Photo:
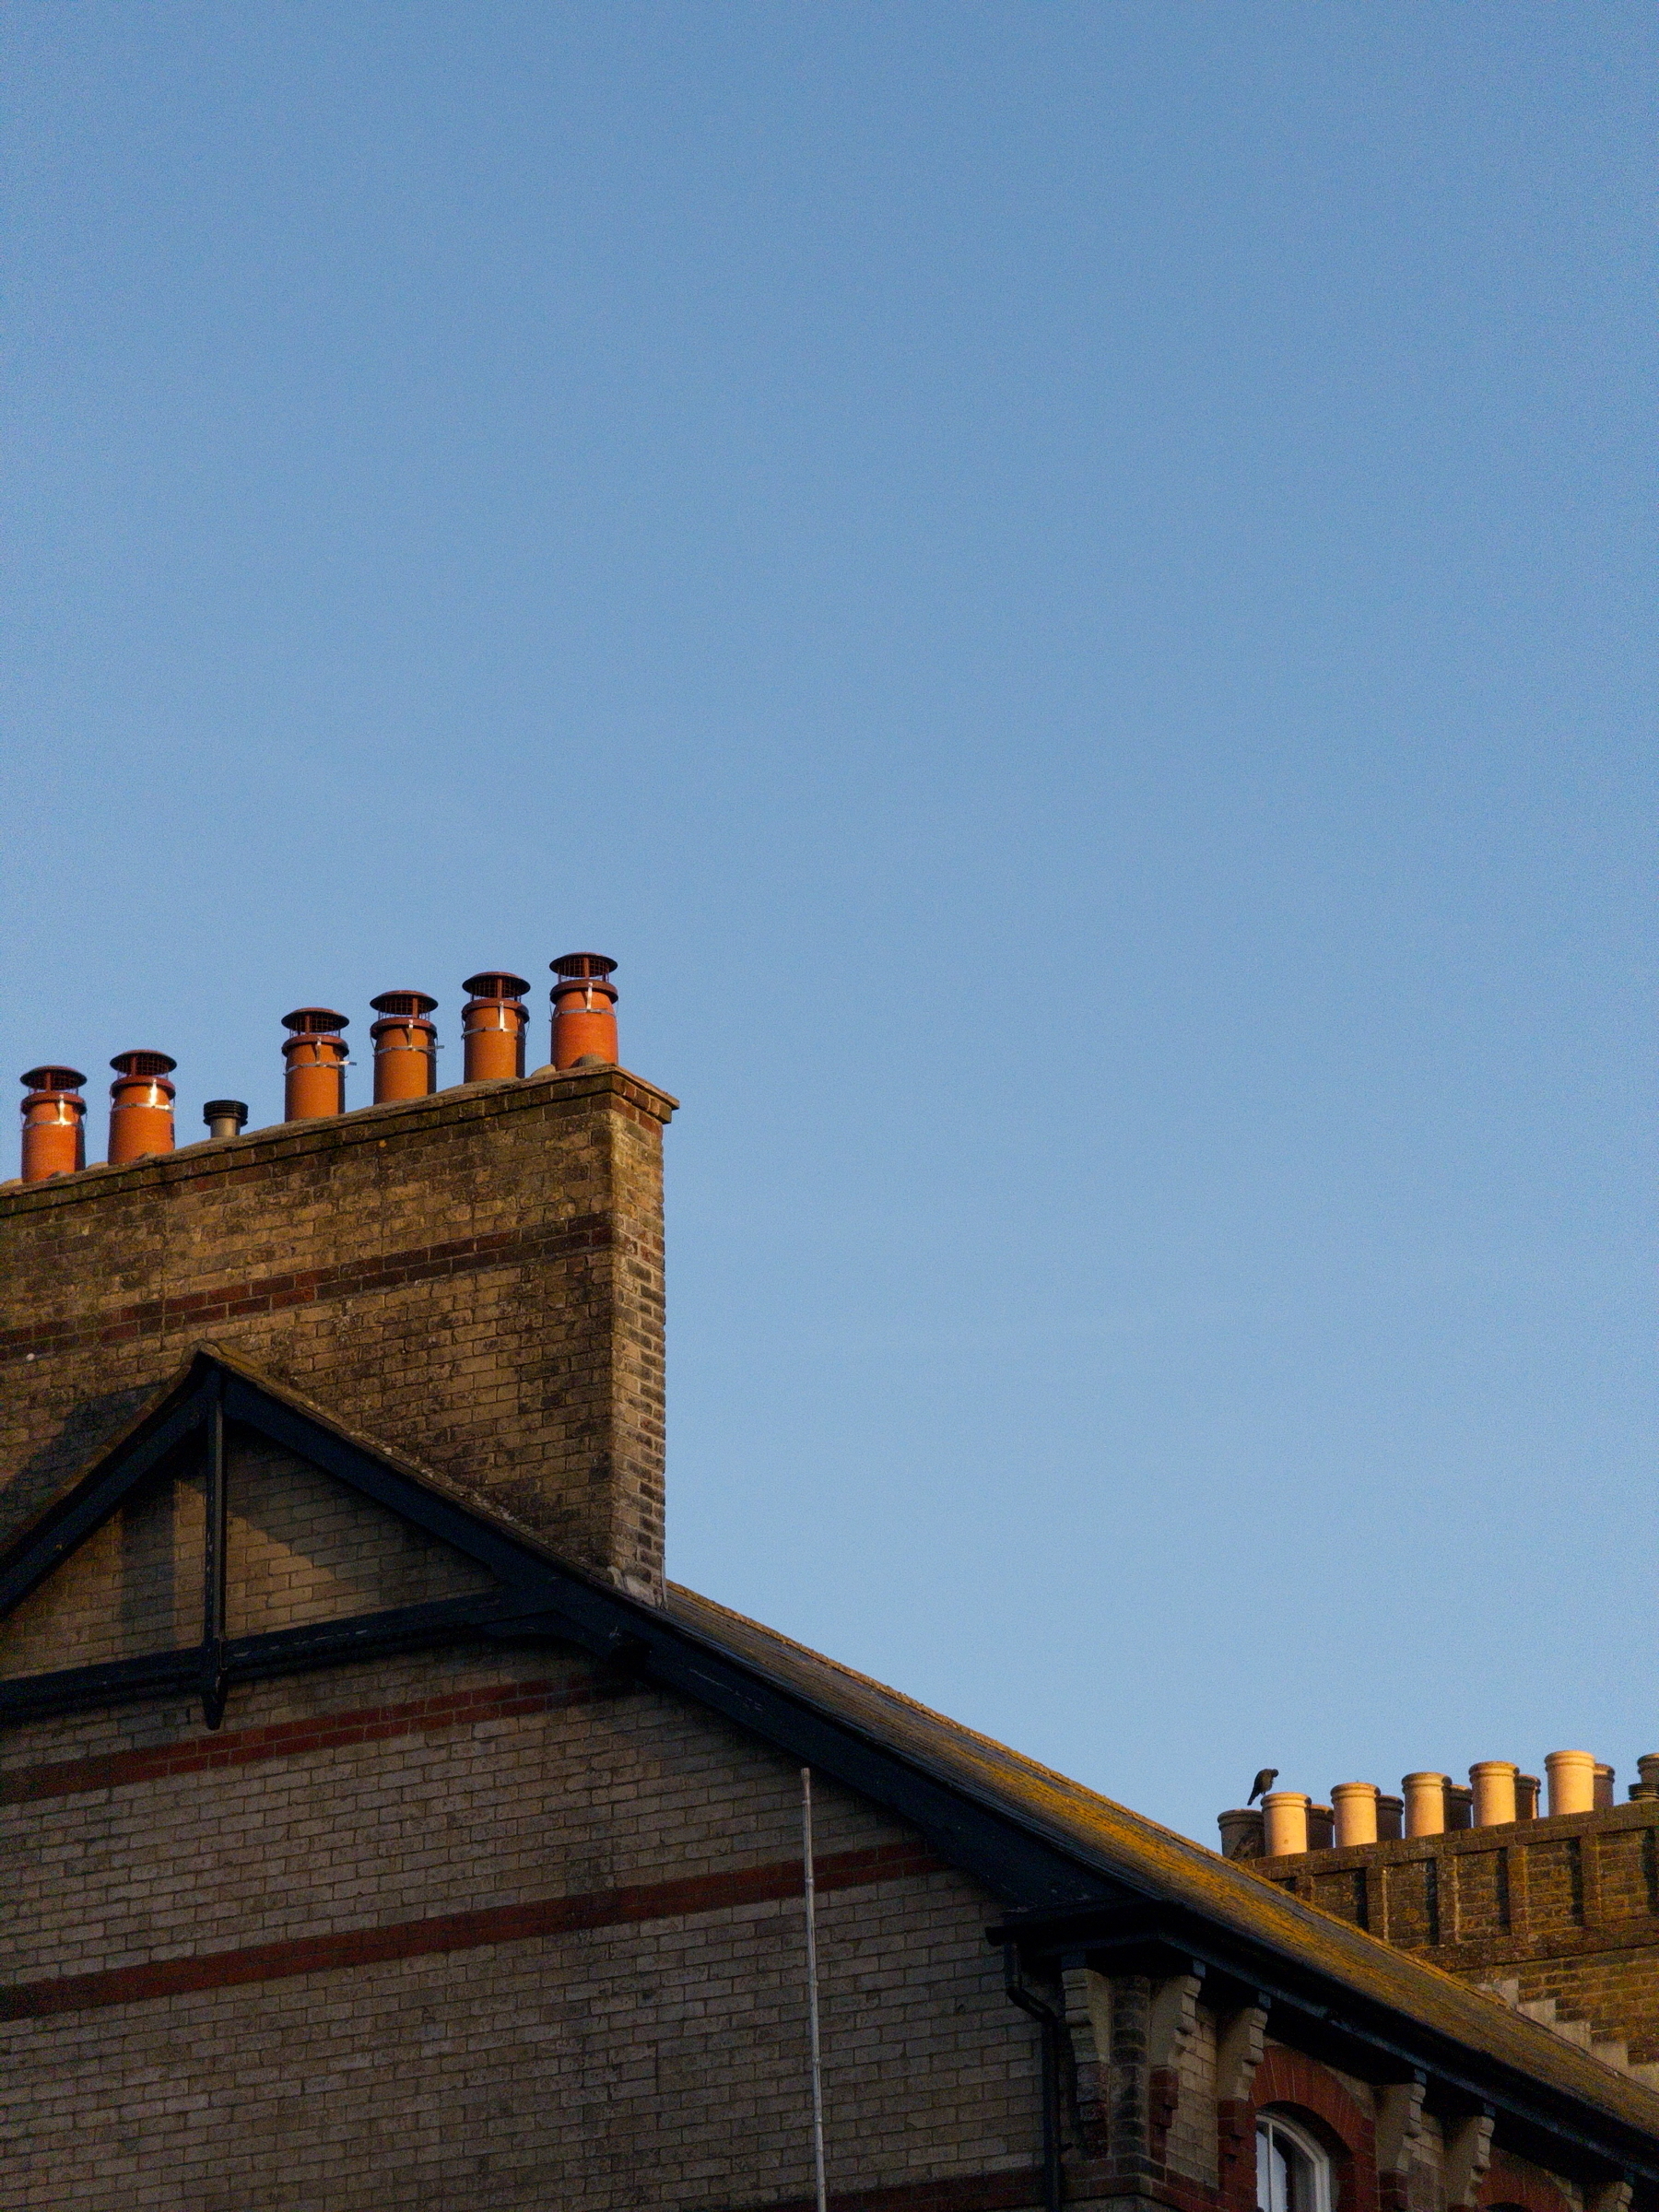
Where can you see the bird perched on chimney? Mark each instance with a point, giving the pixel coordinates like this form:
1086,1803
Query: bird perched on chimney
1262,1784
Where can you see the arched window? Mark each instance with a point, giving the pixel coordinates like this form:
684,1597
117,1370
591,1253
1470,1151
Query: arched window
1293,2174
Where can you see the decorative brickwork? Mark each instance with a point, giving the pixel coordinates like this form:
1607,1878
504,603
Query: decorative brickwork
1290,2079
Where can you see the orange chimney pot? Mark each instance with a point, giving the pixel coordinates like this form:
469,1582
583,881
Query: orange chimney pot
406,1046
141,1106
55,1123
315,1056
584,1020
493,1022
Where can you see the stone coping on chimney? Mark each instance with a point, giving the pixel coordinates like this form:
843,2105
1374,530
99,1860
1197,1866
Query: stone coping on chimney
360,1124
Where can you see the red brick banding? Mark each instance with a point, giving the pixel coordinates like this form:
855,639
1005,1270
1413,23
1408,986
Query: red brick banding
291,1739
271,1293
636,1902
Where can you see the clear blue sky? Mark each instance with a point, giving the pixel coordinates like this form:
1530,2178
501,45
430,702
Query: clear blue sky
1069,589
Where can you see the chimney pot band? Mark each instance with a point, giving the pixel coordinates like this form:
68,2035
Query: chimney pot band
582,1031
493,1023
141,1117
314,1064
55,1114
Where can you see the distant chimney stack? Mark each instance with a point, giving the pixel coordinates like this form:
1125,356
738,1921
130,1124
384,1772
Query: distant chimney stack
141,1106
314,1083
584,1019
55,1123
493,1022
225,1117
406,1046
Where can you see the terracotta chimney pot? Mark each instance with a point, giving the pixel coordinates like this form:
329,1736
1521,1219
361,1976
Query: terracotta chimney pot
141,1106
584,1019
406,1046
314,1083
55,1123
493,1022
1607,1794
1571,1781
1494,1782
1355,1805
1286,1820
1391,1818
1425,1803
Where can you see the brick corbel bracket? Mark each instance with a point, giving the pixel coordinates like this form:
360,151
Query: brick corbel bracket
1399,2127
1468,2154
1172,2026
1612,2196
1128,2034
1088,2021
1240,2040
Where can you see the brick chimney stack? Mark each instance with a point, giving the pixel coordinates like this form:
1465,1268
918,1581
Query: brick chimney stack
499,1248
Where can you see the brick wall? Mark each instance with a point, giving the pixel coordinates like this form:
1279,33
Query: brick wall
1563,1910
507,1932
475,1280
458,1932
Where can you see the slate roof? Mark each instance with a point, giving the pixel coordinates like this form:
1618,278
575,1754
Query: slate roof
1115,1842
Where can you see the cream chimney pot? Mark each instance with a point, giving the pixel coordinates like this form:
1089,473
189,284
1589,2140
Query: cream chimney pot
1287,1822
1425,1803
1493,1782
1355,1803
1571,1781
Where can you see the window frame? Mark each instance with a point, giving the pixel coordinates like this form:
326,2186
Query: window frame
1270,2120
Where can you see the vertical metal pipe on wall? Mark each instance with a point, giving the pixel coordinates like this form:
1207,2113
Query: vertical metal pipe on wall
1050,2022
810,1897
